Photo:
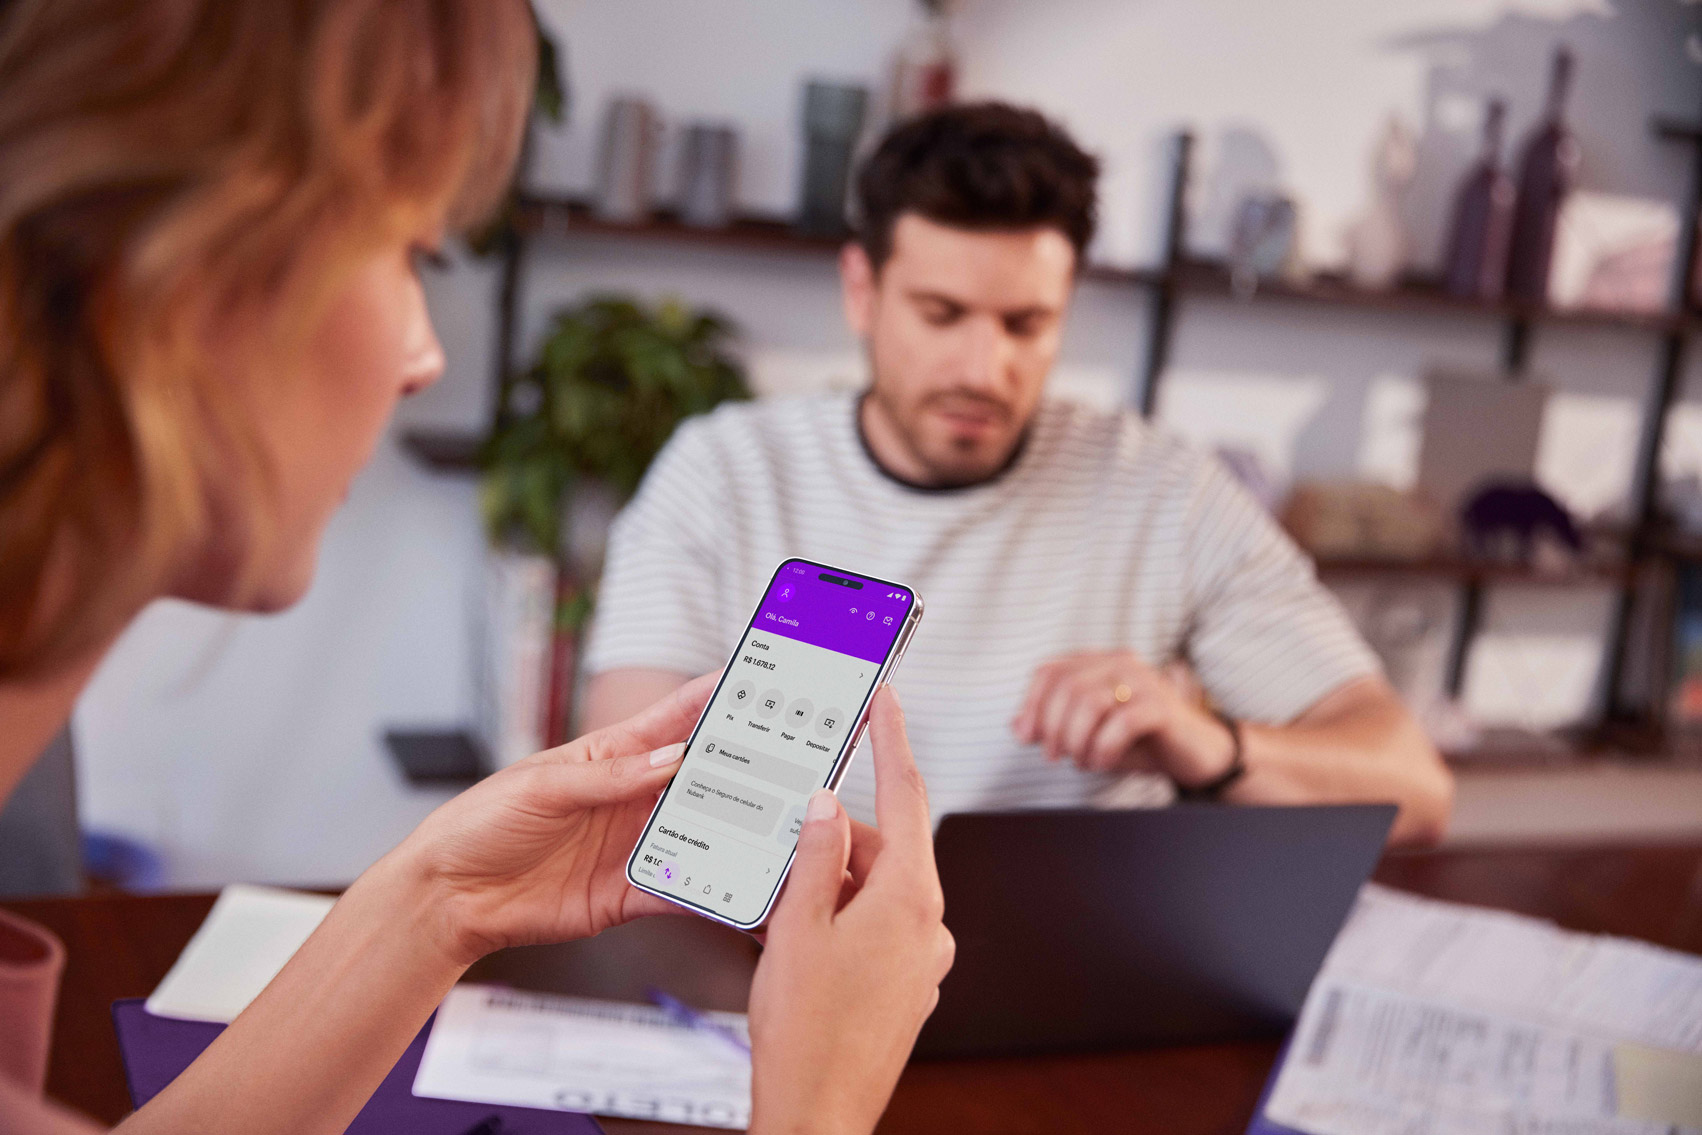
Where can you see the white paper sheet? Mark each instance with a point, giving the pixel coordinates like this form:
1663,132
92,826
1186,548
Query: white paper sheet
1440,1019
246,939
499,1046
1495,960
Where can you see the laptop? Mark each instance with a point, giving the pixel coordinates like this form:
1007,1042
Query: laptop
1180,925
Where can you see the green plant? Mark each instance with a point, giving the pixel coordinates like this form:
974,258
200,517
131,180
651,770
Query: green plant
612,380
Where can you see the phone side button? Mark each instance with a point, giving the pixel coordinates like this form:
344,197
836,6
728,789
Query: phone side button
850,751
904,644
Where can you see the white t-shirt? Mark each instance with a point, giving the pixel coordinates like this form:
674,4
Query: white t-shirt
1104,533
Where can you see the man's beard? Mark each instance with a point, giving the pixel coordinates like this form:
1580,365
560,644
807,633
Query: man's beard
964,462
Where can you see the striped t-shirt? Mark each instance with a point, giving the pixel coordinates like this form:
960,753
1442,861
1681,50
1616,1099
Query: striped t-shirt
1104,533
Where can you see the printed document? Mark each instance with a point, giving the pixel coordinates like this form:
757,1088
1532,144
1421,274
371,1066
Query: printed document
499,1046
1438,1018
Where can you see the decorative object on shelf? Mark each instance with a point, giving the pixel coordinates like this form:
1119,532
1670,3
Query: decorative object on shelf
833,120
1547,165
924,73
1244,165
1262,245
631,131
1681,500
1613,253
1476,429
1454,729
1519,523
1407,626
1407,623
1474,263
515,634
709,173
1362,520
552,97
1684,700
1378,245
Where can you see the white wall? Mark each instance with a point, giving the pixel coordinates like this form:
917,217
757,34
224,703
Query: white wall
249,748
224,741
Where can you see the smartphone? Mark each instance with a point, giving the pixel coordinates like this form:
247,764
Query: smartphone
784,721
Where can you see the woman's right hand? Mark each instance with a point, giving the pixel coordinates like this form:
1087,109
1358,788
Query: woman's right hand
845,982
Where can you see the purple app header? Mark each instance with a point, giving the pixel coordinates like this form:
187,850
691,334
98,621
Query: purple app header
803,603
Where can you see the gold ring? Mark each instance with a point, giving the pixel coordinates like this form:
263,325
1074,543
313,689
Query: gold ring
1122,693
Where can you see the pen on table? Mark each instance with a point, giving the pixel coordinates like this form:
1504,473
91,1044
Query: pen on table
489,1125
684,1014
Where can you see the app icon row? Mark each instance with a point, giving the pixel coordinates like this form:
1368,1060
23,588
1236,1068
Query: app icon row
671,874
799,712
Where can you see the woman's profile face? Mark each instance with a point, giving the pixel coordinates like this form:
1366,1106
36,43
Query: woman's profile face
319,426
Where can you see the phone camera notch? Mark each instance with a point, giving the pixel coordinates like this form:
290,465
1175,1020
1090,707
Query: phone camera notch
855,585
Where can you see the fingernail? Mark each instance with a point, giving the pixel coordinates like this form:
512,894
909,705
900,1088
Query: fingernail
667,754
822,806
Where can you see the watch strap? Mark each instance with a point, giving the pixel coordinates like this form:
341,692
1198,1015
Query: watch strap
1215,787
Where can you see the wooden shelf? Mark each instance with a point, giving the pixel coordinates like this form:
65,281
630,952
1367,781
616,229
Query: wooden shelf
1460,569
1677,129
1685,547
444,451
561,216
1507,749
567,216
1626,744
1416,297
557,216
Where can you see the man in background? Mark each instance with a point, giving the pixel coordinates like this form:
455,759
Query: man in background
1069,558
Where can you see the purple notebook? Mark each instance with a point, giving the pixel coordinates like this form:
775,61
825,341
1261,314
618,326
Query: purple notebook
156,1049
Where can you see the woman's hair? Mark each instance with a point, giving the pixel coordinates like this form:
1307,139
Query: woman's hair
172,171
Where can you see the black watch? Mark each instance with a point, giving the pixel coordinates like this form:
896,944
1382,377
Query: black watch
1217,785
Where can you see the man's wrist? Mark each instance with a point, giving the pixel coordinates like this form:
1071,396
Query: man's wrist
1228,763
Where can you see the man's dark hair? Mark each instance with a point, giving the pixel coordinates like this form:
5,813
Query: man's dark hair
986,165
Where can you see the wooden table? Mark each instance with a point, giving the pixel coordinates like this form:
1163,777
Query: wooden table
120,946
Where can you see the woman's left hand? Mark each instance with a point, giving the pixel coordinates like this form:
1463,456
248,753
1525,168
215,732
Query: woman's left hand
538,851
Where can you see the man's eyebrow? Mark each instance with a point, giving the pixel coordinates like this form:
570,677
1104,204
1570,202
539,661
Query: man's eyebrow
923,295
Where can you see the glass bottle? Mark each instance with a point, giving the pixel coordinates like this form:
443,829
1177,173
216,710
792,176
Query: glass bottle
1475,263
1546,169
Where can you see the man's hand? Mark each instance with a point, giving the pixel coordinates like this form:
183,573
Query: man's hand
1111,712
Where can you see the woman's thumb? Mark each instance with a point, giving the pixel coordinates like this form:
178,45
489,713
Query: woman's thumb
818,868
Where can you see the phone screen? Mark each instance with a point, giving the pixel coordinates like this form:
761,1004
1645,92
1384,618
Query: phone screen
784,718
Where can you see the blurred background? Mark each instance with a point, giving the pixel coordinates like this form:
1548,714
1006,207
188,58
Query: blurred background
1302,263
